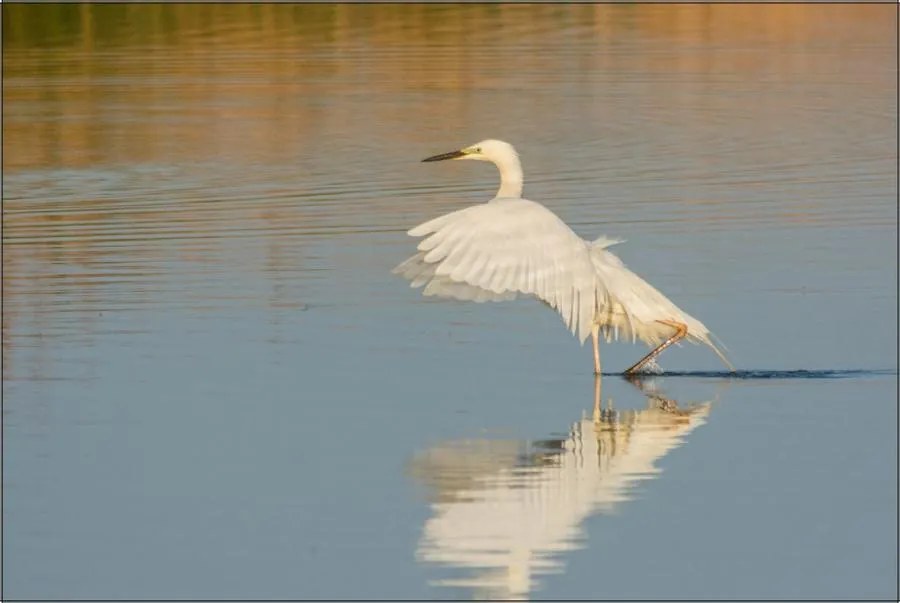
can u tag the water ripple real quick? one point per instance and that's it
(770, 374)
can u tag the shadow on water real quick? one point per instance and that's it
(503, 511)
(764, 374)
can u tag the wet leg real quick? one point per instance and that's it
(680, 332)
(595, 332)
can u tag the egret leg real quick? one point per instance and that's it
(595, 332)
(680, 332)
(597, 404)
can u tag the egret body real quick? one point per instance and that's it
(511, 246)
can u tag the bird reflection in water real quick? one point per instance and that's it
(503, 511)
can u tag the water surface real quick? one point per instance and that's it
(214, 387)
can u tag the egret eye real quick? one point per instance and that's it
(478, 149)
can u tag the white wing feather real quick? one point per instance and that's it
(636, 307)
(503, 248)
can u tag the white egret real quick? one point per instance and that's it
(510, 246)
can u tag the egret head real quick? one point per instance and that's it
(495, 151)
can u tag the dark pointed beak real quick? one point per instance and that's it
(443, 156)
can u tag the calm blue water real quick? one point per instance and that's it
(214, 387)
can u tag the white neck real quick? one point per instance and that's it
(510, 176)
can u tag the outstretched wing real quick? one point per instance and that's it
(503, 248)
